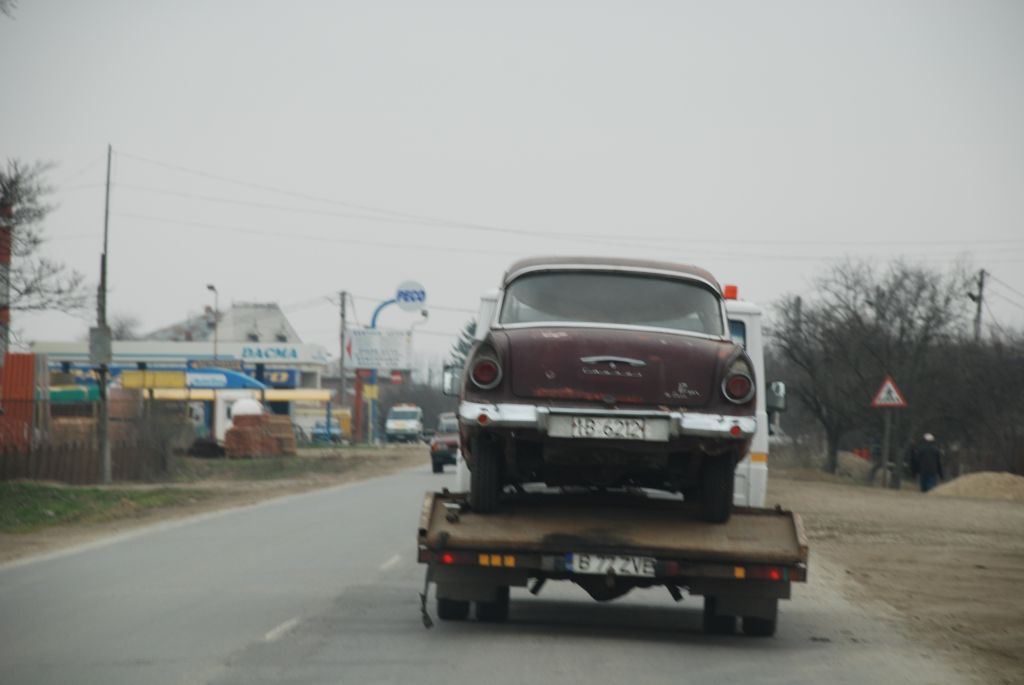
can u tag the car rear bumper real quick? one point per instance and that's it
(508, 415)
(443, 456)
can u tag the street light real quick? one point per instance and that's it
(216, 316)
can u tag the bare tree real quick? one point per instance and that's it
(7, 8)
(462, 346)
(33, 282)
(125, 327)
(862, 324)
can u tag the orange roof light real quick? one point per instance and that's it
(731, 292)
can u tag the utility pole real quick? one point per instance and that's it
(100, 343)
(6, 243)
(979, 300)
(341, 349)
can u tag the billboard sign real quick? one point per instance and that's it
(372, 348)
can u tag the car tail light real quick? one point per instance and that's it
(738, 386)
(486, 373)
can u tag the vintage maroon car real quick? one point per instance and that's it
(607, 373)
(444, 446)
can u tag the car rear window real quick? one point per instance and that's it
(612, 298)
(404, 414)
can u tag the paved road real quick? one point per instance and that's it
(322, 588)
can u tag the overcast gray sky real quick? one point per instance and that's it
(759, 140)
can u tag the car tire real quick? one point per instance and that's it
(452, 609)
(717, 478)
(496, 611)
(438, 467)
(714, 624)
(485, 477)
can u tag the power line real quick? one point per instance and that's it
(428, 306)
(397, 216)
(995, 323)
(87, 167)
(726, 256)
(1006, 299)
(316, 238)
(1006, 285)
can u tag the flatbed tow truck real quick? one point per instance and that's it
(610, 543)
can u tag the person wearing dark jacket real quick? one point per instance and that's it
(926, 462)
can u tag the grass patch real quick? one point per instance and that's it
(26, 507)
(271, 468)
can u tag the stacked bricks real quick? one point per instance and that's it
(260, 435)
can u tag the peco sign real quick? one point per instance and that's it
(411, 296)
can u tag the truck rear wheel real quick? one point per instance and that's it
(452, 609)
(496, 611)
(485, 477)
(717, 489)
(761, 626)
(715, 624)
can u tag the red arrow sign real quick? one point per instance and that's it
(889, 396)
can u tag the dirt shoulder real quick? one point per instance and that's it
(219, 484)
(952, 567)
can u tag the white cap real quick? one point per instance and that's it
(928, 437)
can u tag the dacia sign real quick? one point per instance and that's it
(411, 296)
(264, 352)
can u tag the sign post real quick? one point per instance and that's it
(888, 398)
(410, 296)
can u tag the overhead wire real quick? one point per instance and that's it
(1004, 283)
(1007, 299)
(397, 216)
(995, 322)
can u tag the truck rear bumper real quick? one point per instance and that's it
(507, 415)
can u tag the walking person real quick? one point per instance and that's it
(926, 462)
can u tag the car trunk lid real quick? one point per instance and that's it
(632, 367)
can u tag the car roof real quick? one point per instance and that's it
(683, 270)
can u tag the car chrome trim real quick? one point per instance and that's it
(508, 415)
(613, 360)
(610, 326)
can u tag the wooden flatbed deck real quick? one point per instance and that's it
(624, 523)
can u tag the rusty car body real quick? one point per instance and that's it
(607, 373)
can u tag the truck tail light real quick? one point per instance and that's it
(486, 373)
(773, 573)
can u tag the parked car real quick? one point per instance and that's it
(321, 432)
(606, 373)
(444, 445)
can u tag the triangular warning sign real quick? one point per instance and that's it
(889, 395)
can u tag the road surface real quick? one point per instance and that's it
(322, 588)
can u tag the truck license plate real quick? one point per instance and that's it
(604, 564)
(608, 427)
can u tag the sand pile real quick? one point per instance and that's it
(984, 485)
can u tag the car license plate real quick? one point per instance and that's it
(608, 427)
(609, 564)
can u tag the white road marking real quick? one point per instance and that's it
(281, 630)
(390, 563)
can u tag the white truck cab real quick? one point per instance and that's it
(404, 423)
(751, 483)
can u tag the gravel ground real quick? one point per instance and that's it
(953, 568)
